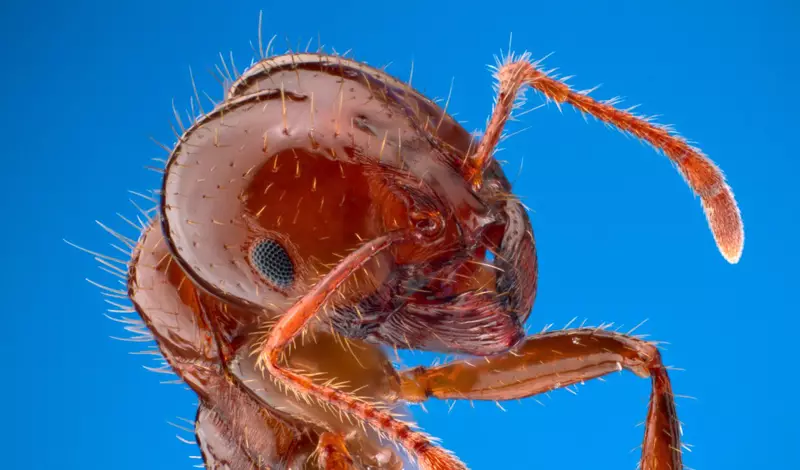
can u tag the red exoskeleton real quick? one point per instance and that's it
(324, 210)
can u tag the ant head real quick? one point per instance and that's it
(308, 157)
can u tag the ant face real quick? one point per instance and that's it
(309, 158)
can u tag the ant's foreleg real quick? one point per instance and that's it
(292, 323)
(555, 360)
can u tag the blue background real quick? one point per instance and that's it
(620, 236)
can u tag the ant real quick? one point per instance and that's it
(324, 210)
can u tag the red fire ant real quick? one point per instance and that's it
(325, 209)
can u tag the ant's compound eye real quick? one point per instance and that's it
(272, 260)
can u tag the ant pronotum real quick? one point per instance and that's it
(325, 209)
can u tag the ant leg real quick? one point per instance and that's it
(554, 360)
(430, 456)
(332, 454)
(702, 175)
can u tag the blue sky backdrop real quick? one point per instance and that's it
(621, 238)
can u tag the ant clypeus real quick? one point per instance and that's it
(324, 209)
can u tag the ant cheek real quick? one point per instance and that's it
(252, 167)
(207, 222)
